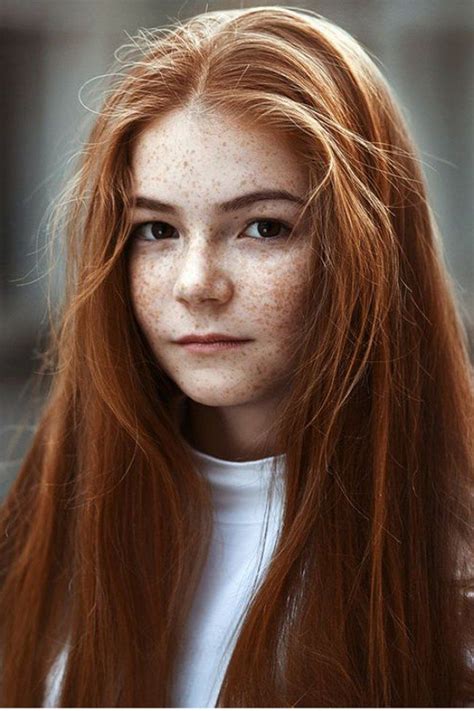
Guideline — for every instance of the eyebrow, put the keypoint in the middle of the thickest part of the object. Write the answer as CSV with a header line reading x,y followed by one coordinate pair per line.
x,y
228,206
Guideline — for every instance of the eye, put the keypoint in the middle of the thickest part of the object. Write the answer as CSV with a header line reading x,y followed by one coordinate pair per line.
x,y
269,229
266,230
150,231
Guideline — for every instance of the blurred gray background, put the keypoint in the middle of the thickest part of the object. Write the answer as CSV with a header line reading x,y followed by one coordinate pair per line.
x,y
51,47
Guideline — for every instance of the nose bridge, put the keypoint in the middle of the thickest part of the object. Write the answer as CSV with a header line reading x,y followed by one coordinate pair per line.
x,y
200,272
198,258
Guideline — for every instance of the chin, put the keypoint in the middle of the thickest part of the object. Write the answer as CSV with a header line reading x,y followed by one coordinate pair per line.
x,y
217,395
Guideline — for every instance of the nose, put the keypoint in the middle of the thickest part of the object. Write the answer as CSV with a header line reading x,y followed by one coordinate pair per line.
x,y
201,275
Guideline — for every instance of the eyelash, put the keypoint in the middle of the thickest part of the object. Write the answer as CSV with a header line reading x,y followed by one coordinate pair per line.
x,y
287,230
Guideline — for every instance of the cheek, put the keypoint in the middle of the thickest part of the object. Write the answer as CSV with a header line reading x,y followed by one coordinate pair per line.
x,y
146,286
280,305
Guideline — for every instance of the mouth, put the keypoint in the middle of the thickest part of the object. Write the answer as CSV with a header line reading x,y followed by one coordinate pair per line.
x,y
213,346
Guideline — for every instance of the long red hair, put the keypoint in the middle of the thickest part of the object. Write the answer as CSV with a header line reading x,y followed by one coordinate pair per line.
x,y
106,527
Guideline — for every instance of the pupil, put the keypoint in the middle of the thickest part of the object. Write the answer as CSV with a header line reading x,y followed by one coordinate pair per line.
x,y
265,228
161,229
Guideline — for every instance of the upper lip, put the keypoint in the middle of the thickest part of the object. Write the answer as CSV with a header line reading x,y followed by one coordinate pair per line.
x,y
208,338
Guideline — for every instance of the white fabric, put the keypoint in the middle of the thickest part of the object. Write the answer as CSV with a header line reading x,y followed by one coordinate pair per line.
x,y
239,491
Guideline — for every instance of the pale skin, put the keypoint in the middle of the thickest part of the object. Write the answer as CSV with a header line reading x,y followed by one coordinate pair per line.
x,y
199,269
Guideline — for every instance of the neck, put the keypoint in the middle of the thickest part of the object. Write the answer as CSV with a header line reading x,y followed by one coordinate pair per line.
x,y
236,433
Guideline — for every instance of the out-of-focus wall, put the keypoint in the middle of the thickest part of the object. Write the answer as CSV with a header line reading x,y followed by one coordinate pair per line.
x,y
424,47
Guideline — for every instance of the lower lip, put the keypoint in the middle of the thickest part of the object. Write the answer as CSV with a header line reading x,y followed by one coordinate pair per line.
x,y
196,347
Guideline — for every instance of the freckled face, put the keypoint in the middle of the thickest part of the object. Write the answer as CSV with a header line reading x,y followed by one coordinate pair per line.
x,y
200,269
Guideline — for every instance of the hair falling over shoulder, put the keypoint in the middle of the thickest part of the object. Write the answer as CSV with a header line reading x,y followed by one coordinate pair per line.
x,y
106,528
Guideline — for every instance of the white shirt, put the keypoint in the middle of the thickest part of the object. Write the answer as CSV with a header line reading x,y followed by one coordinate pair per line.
x,y
239,493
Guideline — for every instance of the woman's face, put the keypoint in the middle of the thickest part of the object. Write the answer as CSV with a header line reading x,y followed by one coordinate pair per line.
x,y
201,264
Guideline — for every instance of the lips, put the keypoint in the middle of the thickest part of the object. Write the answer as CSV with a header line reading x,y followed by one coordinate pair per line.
x,y
210,338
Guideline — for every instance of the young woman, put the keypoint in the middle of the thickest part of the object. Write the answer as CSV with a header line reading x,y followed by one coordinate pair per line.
x,y
281,516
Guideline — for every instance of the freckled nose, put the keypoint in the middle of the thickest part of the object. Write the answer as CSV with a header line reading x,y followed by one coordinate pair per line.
x,y
200,277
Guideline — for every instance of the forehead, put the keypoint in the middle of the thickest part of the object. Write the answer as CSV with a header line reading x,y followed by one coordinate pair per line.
x,y
186,151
